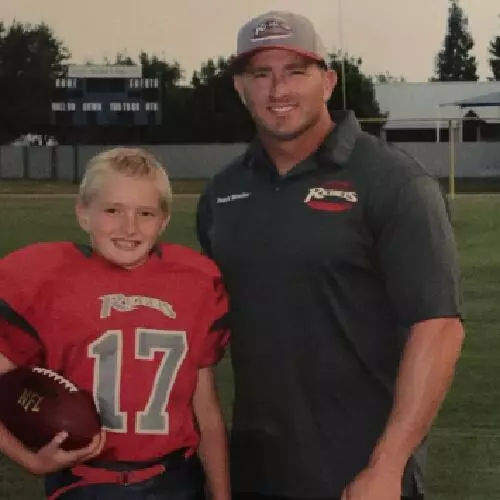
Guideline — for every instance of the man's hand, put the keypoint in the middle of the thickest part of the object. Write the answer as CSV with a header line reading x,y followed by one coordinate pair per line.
x,y
375,482
52,457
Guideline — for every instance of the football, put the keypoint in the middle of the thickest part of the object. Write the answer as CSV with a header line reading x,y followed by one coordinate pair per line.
x,y
37,403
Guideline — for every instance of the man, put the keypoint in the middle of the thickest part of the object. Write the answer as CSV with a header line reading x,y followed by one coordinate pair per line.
x,y
340,264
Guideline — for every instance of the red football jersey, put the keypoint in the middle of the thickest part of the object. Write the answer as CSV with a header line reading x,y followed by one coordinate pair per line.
x,y
134,338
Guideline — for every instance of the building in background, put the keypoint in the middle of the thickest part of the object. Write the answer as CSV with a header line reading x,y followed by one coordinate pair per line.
x,y
421,112
113,97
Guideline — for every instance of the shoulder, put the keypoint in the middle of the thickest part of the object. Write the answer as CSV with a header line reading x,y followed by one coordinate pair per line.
x,y
389,180
184,259
231,176
383,171
25,272
377,157
42,255
231,169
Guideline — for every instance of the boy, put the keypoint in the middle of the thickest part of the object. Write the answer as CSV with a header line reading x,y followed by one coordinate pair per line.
x,y
136,322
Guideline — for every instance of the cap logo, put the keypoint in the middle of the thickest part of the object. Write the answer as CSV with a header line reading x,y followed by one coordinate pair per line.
x,y
271,29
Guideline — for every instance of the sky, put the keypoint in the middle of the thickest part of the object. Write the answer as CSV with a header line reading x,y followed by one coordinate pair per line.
x,y
401,37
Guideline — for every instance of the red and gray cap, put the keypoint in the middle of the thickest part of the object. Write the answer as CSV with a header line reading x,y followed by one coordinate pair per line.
x,y
280,30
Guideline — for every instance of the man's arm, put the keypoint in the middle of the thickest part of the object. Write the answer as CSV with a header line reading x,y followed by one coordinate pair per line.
x,y
425,375
417,255
213,435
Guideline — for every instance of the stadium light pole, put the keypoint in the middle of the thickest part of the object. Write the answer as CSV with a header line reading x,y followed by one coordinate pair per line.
x,y
342,56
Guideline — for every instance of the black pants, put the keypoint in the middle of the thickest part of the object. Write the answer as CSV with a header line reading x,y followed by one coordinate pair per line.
x,y
181,481
257,496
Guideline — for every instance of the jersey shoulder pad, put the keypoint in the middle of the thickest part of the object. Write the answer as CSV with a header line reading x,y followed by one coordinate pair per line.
x,y
190,260
25,272
39,260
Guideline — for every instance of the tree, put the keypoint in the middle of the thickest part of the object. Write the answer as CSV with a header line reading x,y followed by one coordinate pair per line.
x,y
388,78
30,58
170,73
494,60
216,112
121,59
454,62
152,66
360,92
31,51
472,126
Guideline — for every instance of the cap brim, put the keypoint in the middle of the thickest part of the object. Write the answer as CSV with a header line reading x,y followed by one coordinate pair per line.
x,y
240,61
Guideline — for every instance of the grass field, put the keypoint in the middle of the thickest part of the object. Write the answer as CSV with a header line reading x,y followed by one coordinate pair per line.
x,y
464,462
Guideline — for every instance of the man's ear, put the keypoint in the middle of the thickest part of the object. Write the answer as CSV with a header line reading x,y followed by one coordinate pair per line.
x,y
330,82
238,86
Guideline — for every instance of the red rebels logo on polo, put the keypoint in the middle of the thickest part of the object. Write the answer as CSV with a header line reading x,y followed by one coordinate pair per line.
x,y
335,196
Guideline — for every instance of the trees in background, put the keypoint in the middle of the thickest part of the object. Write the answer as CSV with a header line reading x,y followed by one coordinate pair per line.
x,y
206,110
30,58
494,59
455,62
360,92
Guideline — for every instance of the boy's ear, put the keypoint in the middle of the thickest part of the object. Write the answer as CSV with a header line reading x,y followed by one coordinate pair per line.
x,y
82,216
165,223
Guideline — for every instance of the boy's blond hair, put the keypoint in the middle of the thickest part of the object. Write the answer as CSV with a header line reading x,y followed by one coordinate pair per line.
x,y
134,162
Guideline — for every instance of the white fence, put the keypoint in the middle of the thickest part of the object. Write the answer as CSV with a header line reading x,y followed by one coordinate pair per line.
x,y
466,160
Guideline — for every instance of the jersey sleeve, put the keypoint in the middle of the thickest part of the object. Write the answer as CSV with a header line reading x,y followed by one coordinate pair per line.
x,y
18,346
22,274
417,254
213,325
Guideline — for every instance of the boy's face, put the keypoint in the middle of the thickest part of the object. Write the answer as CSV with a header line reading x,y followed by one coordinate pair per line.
x,y
124,219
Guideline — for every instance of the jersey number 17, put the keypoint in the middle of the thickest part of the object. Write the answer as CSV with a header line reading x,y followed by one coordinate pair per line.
x,y
107,352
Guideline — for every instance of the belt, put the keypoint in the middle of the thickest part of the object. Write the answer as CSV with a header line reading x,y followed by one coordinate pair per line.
x,y
125,473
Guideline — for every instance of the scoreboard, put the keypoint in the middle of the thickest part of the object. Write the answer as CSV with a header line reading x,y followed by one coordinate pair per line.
x,y
105,95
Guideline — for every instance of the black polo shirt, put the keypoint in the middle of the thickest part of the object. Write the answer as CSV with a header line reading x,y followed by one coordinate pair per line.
x,y
327,267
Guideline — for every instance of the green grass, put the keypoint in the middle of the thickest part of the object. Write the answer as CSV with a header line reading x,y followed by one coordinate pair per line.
x,y
464,462
465,442
19,186
194,186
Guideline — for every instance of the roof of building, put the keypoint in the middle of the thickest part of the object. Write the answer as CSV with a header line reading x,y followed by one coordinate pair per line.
x,y
421,105
487,100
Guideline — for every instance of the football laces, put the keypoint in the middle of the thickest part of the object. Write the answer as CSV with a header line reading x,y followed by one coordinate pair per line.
x,y
58,378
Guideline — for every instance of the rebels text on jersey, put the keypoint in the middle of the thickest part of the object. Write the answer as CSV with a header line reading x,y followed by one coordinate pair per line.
x,y
135,338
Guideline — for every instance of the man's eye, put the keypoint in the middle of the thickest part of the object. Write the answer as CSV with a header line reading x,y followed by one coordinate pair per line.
x,y
260,74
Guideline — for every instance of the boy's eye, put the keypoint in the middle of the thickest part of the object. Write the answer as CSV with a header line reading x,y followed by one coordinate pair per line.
x,y
111,210
147,213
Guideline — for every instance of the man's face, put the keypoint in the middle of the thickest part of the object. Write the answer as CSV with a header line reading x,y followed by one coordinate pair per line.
x,y
285,93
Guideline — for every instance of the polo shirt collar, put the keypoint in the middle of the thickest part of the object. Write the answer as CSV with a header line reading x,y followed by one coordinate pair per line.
x,y
336,149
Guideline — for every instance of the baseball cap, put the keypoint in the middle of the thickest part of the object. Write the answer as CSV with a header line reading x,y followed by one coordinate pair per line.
x,y
279,30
